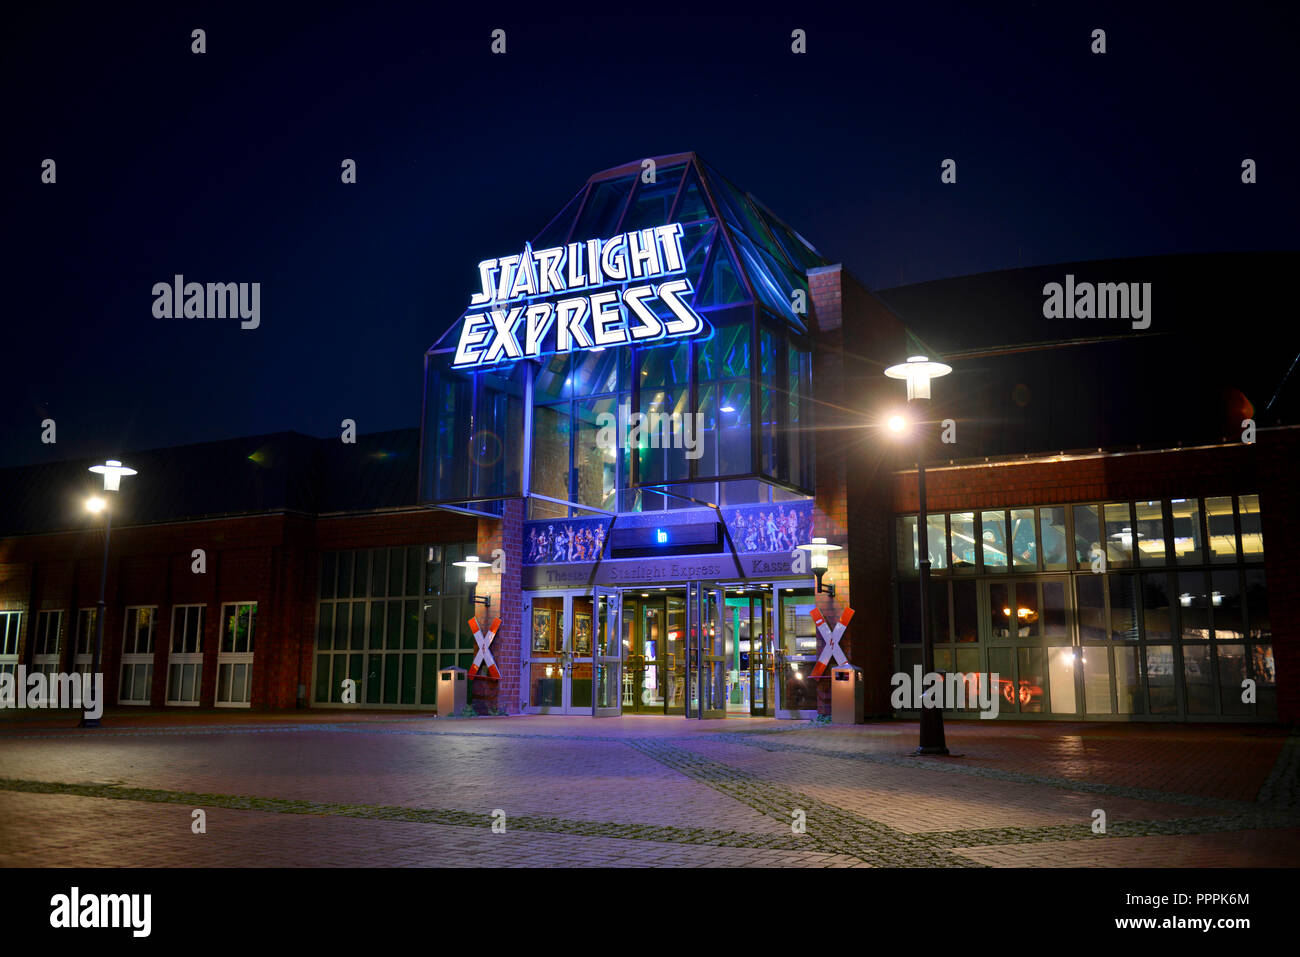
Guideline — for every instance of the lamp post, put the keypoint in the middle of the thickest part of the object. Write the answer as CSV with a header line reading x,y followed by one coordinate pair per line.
x,y
918,371
112,471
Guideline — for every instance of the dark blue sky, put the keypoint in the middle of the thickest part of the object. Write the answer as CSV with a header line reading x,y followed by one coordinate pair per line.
x,y
225,167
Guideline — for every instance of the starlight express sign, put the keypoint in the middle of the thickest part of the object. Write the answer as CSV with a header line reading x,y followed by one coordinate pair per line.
x,y
522,312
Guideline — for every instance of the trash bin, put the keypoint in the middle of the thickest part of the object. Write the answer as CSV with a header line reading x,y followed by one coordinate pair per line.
x,y
847,695
451,691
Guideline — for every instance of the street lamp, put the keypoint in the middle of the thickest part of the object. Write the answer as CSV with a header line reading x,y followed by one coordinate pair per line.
x,y
471,564
918,371
112,471
819,559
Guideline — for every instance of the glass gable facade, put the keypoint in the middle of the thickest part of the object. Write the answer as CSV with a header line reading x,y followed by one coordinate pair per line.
x,y
740,388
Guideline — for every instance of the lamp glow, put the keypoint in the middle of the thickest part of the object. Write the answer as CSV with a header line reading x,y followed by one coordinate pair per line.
x,y
918,371
896,424
471,564
112,470
95,504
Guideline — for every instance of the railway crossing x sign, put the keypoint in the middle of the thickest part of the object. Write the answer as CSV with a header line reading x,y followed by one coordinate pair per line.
x,y
484,654
832,639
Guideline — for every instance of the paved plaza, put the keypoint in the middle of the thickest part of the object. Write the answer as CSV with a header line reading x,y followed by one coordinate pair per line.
x,y
355,789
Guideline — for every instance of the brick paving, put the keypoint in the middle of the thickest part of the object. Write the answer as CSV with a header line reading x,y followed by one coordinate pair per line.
x,y
368,789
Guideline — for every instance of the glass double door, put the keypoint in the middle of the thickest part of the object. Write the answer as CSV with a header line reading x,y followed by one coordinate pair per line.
x,y
654,652
560,665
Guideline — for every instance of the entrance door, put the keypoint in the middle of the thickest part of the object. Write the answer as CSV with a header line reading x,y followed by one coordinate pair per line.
x,y
608,658
706,652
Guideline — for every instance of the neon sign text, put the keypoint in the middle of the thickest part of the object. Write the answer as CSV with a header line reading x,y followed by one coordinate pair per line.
x,y
525,312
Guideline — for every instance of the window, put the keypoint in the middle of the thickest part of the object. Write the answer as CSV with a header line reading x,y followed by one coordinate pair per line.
x,y
136,685
235,651
1127,636
85,647
1252,535
1186,515
185,662
48,641
1220,523
402,620
10,629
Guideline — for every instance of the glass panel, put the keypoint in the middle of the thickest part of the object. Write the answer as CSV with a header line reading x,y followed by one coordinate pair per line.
x,y
410,626
963,541
1232,672
1055,623
909,613
1221,529
409,674
345,575
1150,533
1002,670
1156,609
412,570
361,575
1024,538
1087,535
726,354
393,637
653,202
377,625
1000,612
1091,607
995,541
1199,679
392,674
1252,534
1262,670
1027,612
1119,534
1186,515
692,205
1128,681
1054,545
965,613
604,209
358,625
1096,680
545,684
1194,606
379,573
342,619
907,561
1061,663
1257,605
1032,679
396,570
1225,606
1160,679
939,611
1123,607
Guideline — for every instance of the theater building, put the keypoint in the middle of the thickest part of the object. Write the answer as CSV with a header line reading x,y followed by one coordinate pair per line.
x,y
634,423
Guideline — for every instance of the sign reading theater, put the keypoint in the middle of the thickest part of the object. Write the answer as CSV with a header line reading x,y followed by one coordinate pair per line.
x,y
527,310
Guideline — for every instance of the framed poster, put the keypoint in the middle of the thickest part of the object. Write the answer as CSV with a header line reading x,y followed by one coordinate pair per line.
x,y
581,634
542,629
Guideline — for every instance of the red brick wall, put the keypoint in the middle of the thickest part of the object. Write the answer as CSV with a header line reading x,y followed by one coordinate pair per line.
x,y
271,559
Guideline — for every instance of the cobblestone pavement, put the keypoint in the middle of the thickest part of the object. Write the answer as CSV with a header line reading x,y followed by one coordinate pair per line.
x,y
357,789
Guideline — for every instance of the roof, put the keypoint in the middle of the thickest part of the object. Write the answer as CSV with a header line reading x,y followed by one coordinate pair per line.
x,y
738,252
1217,351
282,471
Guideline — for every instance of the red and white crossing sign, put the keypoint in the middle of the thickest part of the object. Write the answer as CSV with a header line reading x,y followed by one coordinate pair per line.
x,y
484,654
832,639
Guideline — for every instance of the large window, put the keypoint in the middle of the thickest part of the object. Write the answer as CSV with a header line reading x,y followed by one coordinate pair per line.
x,y
47,646
1158,607
136,685
185,660
10,629
389,619
235,655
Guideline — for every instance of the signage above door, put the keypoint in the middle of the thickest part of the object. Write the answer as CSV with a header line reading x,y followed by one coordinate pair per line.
x,y
633,291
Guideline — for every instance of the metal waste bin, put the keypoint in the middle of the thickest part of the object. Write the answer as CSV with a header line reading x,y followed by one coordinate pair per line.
x,y
451,691
847,695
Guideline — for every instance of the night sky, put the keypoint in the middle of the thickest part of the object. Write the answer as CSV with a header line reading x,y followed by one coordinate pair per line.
x,y
225,167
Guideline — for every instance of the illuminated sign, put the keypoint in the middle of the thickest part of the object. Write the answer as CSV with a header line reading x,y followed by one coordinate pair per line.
x,y
524,307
